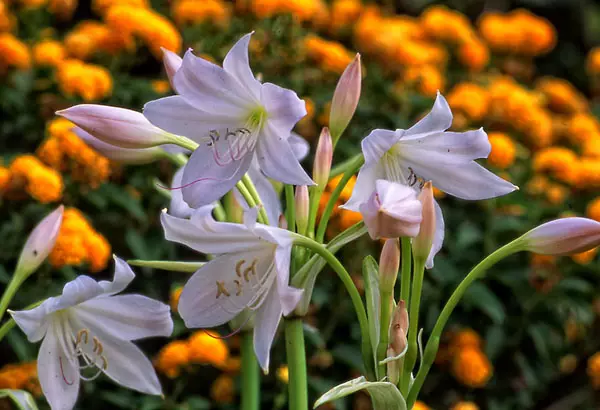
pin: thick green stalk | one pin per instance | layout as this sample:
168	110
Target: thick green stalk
384	328
262	214
315	198
432	345
296	359
183	142
219	212
9	324
14	284
367	349
250	375
415	302
356	163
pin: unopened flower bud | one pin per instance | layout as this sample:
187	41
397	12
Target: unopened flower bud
172	62
323	158
399	328
301	206
39	243
422	243
393	367
389	263
345	98
117	126
562	237
392	211
118	154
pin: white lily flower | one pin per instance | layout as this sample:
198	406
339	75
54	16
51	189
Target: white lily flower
89	329
232	116
250	272
427	152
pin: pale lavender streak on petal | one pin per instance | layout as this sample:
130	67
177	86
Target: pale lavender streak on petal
438	238
564	236
128	317
377	143
58	371
437	120
178	207
237	64
216	293
266	321
277	160
210	88
448	148
363	188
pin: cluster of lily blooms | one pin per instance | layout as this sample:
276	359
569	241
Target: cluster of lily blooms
239	133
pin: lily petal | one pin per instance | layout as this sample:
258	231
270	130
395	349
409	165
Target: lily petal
34	322
363	188
178	207
128	317
224	287
277	160
237	64
267	193
288	295
172	63
123	277
437	120
377	143
265	325
284	106
438	238
448	148
299	145
78	291
58	371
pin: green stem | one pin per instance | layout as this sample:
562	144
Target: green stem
431	348
415	302
357	162
250	374
262	214
367	349
219	212
341	167
296	358
183	142
315	198
6	327
384	328
405	268
172	266
177	159
16	281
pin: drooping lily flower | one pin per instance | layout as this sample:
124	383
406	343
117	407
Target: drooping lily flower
250	272
427	152
232	116
89	329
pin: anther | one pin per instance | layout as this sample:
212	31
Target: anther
98	349
221	290
82	333
250	269
238	285
238	266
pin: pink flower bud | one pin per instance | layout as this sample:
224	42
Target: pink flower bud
323	158
389	262
301	206
118	154
345	98
399	328
117	126
422	243
172	62
391	211
562	237
39	243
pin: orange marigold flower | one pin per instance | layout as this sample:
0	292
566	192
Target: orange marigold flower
14	52
593	369
593	209
593	61
7	20
471	367
63	9
588	173
5	176
556	194
469	99
39	181
561	163
466	338
465	405
98	251
344	13
349	218
583	258
561	95
330	55
419	405
49	53
102	6
90	37
206	347
198	11
90	82
503	150
591	147
582	127
474	55
174	298
427	80
20	376
223	389
160	86
172	357
444	24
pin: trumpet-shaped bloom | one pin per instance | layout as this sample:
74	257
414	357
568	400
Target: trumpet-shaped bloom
392	211
427	152
250	272
89	329
232	116
39	243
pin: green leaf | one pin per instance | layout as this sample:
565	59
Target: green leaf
22	399
371	279
481	297
384	395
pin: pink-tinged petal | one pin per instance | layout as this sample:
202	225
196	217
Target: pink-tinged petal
175	115
323	159
391	211
448	148
363	188
438	238
345	98
299	145
563	237
116	126
437	120
211	89
284	108
423	242
127	317
301	205
172	63
39	243
58	369
212	171
378	143
226	286
389	263
124	155
265	325
277	160
237	64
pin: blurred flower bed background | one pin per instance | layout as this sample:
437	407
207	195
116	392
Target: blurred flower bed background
526	337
